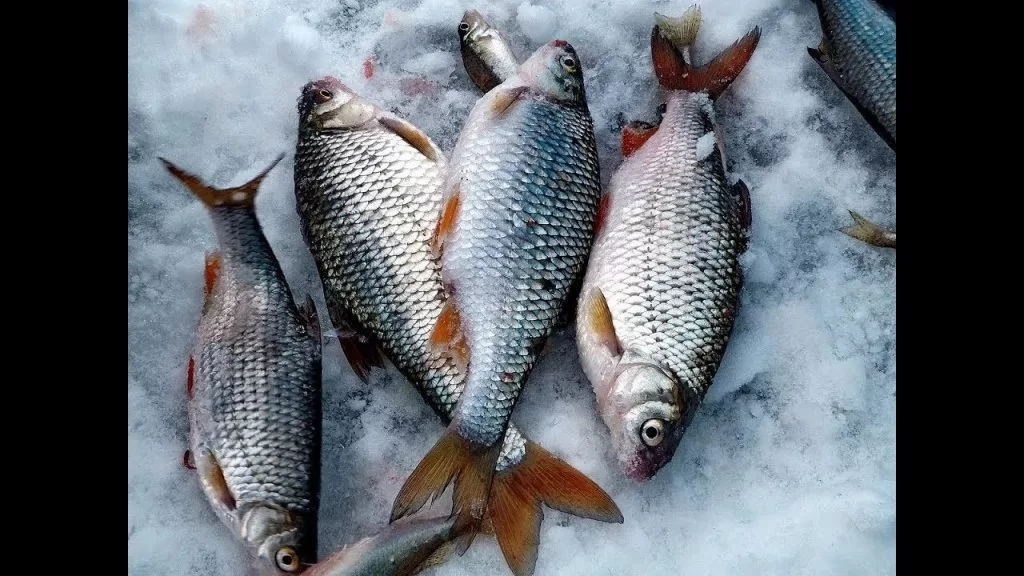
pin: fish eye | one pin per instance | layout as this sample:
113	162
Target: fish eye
653	432
464	27
323	95
287	559
570	63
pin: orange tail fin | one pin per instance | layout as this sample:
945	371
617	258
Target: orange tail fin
516	496
244	195
453	459
675	73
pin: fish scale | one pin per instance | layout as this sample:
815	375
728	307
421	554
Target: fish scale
261	420
668	259
862	45
254	386
519	222
368	202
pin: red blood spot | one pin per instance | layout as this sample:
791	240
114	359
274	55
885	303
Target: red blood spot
414	86
201	23
558	43
368	67
191	377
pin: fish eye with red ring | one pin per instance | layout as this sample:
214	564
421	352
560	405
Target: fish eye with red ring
286	559
653	432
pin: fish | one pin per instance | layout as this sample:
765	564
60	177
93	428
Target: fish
402	549
866	231
520	199
368	188
663	280
858	52
254	388
486	55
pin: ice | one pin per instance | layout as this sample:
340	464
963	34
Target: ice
789	466
705	145
537	22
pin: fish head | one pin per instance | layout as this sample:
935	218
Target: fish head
277	536
327	104
473	27
645	411
556	71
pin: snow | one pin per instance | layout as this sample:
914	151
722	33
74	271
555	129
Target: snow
705	145
790	465
537	22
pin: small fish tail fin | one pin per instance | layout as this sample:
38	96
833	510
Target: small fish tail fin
866	231
453	459
244	195
517	494
670	35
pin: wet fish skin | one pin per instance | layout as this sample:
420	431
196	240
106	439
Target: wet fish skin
528	183
368	192
400	549
858	52
520	200
663	280
486	55
368	200
255	389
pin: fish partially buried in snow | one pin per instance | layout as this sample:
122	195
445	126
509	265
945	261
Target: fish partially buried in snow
662	285
521	195
486	55
866	231
254	385
400	549
858	52
368	193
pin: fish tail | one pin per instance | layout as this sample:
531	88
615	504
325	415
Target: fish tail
244	195
453	459
517	494
869	232
670	35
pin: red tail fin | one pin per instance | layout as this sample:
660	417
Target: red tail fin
244	195
714	77
516	496
469	465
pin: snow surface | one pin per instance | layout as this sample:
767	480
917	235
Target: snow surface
790	465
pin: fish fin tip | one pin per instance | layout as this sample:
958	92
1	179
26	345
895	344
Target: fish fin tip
244	195
451	459
675	73
598	319
447	221
635	135
413	135
517	494
448	337
868	232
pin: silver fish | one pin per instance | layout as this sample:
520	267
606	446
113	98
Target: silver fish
254	388
486	55
858	52
401	549
662	284
368	192
520	199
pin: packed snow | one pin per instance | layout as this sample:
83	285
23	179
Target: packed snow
790	465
